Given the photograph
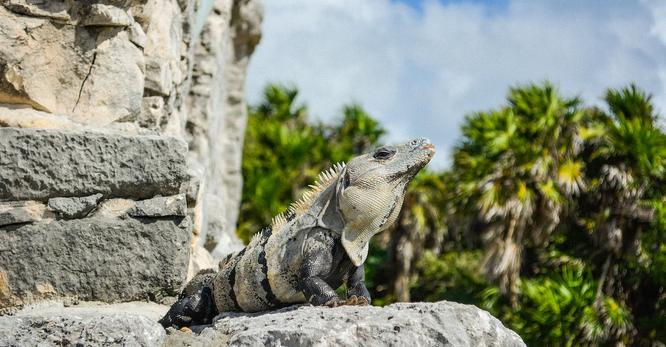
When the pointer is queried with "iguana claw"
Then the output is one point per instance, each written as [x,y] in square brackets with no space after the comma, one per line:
[357,301]
[351,301]
[334,302]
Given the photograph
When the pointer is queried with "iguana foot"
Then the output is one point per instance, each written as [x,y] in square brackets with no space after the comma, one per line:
[357,301]
[335,302]
[195,306]
[351,301]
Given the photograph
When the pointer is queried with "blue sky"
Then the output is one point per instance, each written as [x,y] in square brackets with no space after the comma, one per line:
[420,66]
[492,5]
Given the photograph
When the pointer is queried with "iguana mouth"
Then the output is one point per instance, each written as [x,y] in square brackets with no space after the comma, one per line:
[423,152]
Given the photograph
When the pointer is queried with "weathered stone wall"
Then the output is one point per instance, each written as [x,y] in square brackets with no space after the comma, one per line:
[91,216]
[121,129]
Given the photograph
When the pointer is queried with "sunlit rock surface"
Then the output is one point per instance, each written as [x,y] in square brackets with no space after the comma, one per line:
[405,324]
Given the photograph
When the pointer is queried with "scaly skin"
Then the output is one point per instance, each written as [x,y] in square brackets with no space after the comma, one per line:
[320,243]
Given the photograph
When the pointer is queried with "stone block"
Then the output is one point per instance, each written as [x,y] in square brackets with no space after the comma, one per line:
[93,259]
[76,207]
[39,164]
[18,212]
[84,325]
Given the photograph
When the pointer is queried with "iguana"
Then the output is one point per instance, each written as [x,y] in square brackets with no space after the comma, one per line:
[318,244]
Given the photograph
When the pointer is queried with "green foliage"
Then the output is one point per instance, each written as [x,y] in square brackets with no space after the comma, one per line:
[517,169]
[559,310]
[452,276]
[552,217]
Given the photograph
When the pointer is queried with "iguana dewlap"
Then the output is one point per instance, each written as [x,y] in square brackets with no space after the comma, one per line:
[320,243]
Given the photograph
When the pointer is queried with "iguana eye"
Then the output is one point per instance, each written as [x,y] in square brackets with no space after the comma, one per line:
[384,153]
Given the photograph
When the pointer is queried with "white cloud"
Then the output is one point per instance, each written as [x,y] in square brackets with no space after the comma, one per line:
[421,72]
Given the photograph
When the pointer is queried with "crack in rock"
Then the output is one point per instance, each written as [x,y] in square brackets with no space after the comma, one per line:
[84,80]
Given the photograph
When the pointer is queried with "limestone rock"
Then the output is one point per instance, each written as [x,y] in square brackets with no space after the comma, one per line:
[404,324]
[23,116]
[218,116]
[129,324]
[200,259]
[106,15]
[407,324]
[137,35]
[18,212]
[119,76]
[75,207]
[113,208]
[112,89]
[40,164]
[57,10]
[153,112]
[163,46]
[169,206]
[160,207]
[93,75]
[93,259]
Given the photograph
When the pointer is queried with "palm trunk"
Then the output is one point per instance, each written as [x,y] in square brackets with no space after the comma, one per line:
[602,279]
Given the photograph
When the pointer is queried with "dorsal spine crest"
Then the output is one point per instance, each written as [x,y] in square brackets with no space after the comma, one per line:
[300,206]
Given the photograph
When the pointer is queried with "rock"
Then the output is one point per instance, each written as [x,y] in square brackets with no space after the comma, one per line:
[106,15]
[160,207]
[118,80]
[112,90]
[137,35]
[163,46]
[404,324]
[200,259]
[113,208]
[150,310]
[170,206]
[22,116]
[76,207]
[29,77]
[217,116]
[93,259]
[152,112]
[130,324]
[57,10]
[40,164]
[92,75]
[159,77]
[135,323]
[18,212]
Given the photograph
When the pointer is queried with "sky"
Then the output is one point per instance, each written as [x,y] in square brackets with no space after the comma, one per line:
[421,66]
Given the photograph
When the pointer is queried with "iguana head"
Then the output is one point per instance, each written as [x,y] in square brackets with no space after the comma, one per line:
[371,188]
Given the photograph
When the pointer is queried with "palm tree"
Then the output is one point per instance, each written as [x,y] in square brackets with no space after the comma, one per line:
[627,156]
[517,168]
[420,228]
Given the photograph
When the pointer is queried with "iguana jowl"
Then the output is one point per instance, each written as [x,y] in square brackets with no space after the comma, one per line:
[320,243]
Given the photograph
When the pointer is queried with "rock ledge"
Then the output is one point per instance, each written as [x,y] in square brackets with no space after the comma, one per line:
[405,324]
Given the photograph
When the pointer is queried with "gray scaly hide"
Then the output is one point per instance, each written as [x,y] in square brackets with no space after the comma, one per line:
[320,243]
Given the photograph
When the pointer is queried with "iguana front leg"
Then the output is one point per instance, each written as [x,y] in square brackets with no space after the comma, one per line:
[317,265]
[356,290]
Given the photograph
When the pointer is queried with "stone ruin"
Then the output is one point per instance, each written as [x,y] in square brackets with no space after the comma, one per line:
[121,129]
